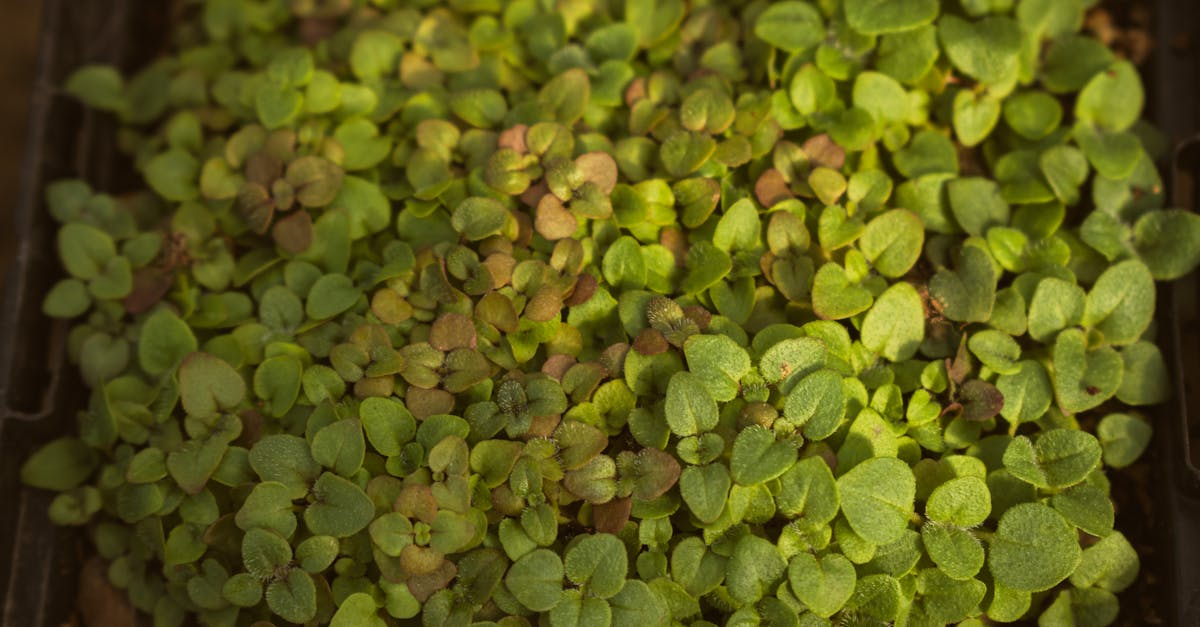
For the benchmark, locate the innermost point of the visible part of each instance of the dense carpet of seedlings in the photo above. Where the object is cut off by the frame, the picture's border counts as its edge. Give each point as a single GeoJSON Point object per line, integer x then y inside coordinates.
{"type": "Point", "coordinates": [589, 313]}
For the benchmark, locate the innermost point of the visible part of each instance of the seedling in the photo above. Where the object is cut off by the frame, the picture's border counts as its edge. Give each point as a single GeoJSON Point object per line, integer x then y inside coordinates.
{"type": "Point", "coordinates": [654, 313]}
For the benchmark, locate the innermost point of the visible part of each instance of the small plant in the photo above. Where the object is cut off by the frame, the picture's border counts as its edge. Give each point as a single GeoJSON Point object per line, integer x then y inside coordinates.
{"type": "Point", "coordinates": [598, 313]}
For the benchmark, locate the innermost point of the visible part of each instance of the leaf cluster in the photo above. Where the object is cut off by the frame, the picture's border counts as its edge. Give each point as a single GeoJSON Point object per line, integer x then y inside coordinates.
{"type": "Point", "coordinates": [616, 313]}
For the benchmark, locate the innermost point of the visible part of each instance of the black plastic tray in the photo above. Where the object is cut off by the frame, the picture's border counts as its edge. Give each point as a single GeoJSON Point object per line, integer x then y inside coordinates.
{"type": "Point", "coordinates": [39, 392]}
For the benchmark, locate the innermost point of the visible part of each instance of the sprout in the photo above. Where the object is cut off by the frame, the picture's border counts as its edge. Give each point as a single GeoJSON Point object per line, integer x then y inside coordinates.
{"type": "Point", "coordinates": [651, 314]}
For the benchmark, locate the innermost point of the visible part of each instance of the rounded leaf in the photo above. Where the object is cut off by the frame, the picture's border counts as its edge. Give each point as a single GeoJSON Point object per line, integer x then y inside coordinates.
{"type": "Point", "coordinates": [1033, 548]}
{"type": "Point", "coordinates": [536, 580]}
{"type": "Point", "coordinates": [599, 563]}
{"type": "Point", "coordinates": [877, 498]}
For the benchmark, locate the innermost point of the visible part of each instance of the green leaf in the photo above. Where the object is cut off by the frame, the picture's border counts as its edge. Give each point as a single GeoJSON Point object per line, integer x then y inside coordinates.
{"type": "Point", "coordinates": [754, 569]}
{"type": "Point", "coordinates": [962, 501]}
{"type": "Point", "coordinates": [974, 117]}
{"type": "Point", "coordinates": [1008, 605]}
{"type": "Point", "coordinates": [85, 250]}
{"type": "Point", "coordinates": [817, 402]}
{"type": "Point", "coordinates": [624, 267]}
{"type": "Point", "coordinates": [1056, 305]}
{"type": "Point", "coordinates": [1066, 169]}
{"type": "Point", "coordinates": [1121, 303]}
{"type": "Point", "coordinates": [1113, 155]}
{"type": "Point", "coordinates": [615, 41]}
{"type": "Point", "coordinates": [706, 265]}
{"type": "Point", "coordinates": [792, 26]}
{"type": "Point", "coordinates": [1033, 548]}
{"type": "Point", "coordinates": [877, 498]}
{"type": "Point", "coordinates": [173, 175]}
{"type": "Point", "coordinates": [1086, 606]}
{"type": "Point", "coordinates": [1060, 458]}
{"type": "Point", "coordinates": [758, 457]}
{"type": "Point", "coordinates": [705, 489]}
{"type": "Point", "coordinates": [481, 108]}
{"type": "Point", "coordinates": [1027, 392]}
{"type": "Point", "coordinates": [788, 361]}
{"type": "Point", "coordinates": [684, 152]}
{"type": "Point", "coordinates": [391, 532]}
{"type": "Point", "coordinates": [1113, 99]}
{"type": "Point", "coordinates": [286, 459]}
{"type": "Point", "coordinates": [599, 563]}
{"type": "Point", "coordinates": [566, 96]}
{"type": "Point", "coordinates": [536, 580]}
{"type": "Point", "coordinates": [293, 598]}
{"type": "Point", "coordinates": [194, 462]}
{"type": "Point", "coordinates": [277, 382]}
{"type": "Point", "coordinates": [869, 436]}
{"type": "Point", "coordinates": [977, 203]}
{"type": "Point", "coordinates": [874, 17]}
{"type": "Point", "coordinates": [879, 95]}
{"type": "Point", "coordinates": [366, 206]}
{"type": "Point", "coordinates": [895, 325]}
{"type": "Point", "coordinates": [1123, 438]}
{"type": "Point", "coordinates": [357, 610]}
{"type": "Point", "coordinates": [1049, 19]}
{"type": "Point", "coordinates": [892, 242]}
{"type": "Point", "coordinates": [278, 105]}
{"type": "Point", "coordinates": [822, 585]}
{"type": "Point", "coordinates": [268, 506]}
{"type": "Point", "coordinates": [388, 424]}
{"type": "Point", "coordinates": [243, 590]}
{"type": "Point", "coordinates": [340, 447]}
{"type": "Point", "coordinates": [986, 50]}
{"type": "Point", "coordinates": [115, 280]}
{"type": "Point", "coordinates": [909, 54]}
{"type": "Point", "coordinates": [956, 551]}
{"type": "Point", "coordinates": [1145, 379]}
{"type": "Point", "coordinates": [1033, 114]}
{"type": "Point", "coordinates": [996, 350]}
{"type": "Point", "coordinates": [811, 90]}
{"type": "Point", "coordinates": [451, 532]}
{"type": "Point", "coordinates": [317, 553]}
{"type": "Point", "coordinates": [946, 600]}
{"type": "Point", "coordinates": [98, 86]}
{"type": "Point", "coordinates": [164, 342]}
{"type": "Point", "coordinates": [265, 553]}
{"type": "Point", "coordinates": [808, 489]}
{"type": "Point", "coordinates": [739, 228]}
{"type": "Point", "coordinates": [930, 159]}
{"type": "Point", "coordinates": [697, 568]}
{"type": "Point", "coordinates": [374, 54]}
{"type": "Point", "coordinates": [331, 295]}
{"type": "Point", "coordinates": [1086, 506]}
{"type": "Point", "coordinates": [718, 362]}
{"type": "Point", "coordinates": [575, 610]}
{"type": "Point", "coordinates": [67, 299]}
{"type": "Point", "coordinates": [637, 604]}
{"type": "Point", "coordinates": [690, 409]}
{"type": "Point", "coordinates": [835, 296]}
{"type": "Point", "coordinates": [339, 508]}
{"type": "Point", "coordinates": [208, 385]}
{"type": "Point", "coordinates": [1110, 564]}
{"type": "Point", "coordinates": [59, 465]}
{"type": "Point", "coordinates": [1084, 378]}
{"type": "Point", "coordinates": [878, 596]}
{"type": "Point", "coordinates": [479, 217]}
{"type": "Point", "coordinates": [1168, 242]}
{"type": "Point", "coordinates": [650, 472]}
{"type": "Point", "coordinates": [968, 293]}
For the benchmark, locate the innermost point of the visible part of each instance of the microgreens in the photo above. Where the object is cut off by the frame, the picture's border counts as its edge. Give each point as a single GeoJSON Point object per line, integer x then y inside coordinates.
{"type": "Point", "coordinates": [592, 313]}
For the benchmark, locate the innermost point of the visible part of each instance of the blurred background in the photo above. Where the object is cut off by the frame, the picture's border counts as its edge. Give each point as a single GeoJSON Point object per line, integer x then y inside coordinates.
{"type": "Point", "coordinates": [18, 54]}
